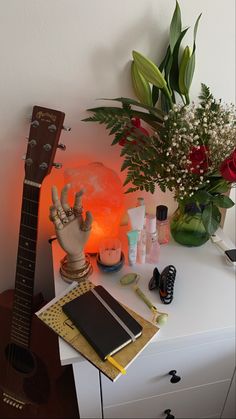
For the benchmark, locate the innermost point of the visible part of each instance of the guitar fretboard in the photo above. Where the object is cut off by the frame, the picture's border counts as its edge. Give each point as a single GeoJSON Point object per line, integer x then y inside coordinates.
{"type": "Point", "coordinates": [25, 268]}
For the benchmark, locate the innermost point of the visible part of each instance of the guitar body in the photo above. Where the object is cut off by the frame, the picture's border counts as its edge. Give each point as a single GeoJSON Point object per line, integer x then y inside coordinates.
{"type": "Point", "coordinates": [46, 388]}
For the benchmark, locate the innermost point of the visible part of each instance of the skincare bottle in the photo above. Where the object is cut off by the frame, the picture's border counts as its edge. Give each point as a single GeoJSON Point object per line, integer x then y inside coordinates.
{"type": "Point", "coordinates": [152, 246]}
{"type": "Point", "coordinates": [137, 221]}
{"type": "Point", "coordinates": [141, 248]}
{"type": "Point", "coordinates": [163, 225]}
{"type": "Point", "coordinates": [132, 241]}
{"type": "Point", "coordinates": [141, 251]}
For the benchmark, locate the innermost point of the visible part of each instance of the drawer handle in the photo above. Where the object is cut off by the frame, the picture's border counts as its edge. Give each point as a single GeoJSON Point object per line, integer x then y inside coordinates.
{"type": "Point", "coordinates": [168, 415]}
{"type": "Point", "coordinates": [175, 378]}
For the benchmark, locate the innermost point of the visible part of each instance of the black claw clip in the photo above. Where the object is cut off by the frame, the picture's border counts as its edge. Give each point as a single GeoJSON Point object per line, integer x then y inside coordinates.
{"type": "Point", "coordinates": [164, 282]}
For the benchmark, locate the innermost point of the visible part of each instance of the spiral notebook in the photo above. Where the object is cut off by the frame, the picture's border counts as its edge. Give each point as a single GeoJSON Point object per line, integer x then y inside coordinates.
{"type": "Point", "coordinates": [102, 320]}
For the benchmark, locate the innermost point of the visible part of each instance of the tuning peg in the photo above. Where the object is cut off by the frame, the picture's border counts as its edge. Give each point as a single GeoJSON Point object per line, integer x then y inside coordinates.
{"type": "Point", "coordinates": [61, 146]}
{"type": "Point", "coordinates": [32, 143]}
{"type": "Point", "coordinates": [66, 128]}
{"type": "Point", "coordinates": [28, 162]}
{"type": "Point", "coordinates": [35, 123]}
{"type": "Point", "coordinates": [57, 165]}
{"type": "Point", "coordinates": [52, 128]}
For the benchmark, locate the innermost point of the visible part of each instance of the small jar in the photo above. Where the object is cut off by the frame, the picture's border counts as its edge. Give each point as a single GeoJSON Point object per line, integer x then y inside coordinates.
{"type": "Point", "coordinates": [110, 251]}
{"type": "Point", "coordinates": [163, 225]}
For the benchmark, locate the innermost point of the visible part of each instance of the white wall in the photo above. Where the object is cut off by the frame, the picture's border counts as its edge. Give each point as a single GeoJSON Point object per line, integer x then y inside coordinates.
{"type": "Point", "coordinates": [64, 54]}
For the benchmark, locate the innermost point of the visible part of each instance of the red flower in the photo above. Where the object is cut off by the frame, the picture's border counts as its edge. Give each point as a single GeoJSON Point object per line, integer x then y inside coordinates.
{"type": "Point", "coordinates": [199, 160]}
{"type": "Point", "coordinates": [228, 168]}
{"type": "Point", "coordinates": [137, 125]}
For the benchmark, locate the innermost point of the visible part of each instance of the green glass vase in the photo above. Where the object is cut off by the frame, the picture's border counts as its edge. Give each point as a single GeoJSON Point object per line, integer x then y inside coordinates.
{"type": "Point", "coordinates": [187, 227]}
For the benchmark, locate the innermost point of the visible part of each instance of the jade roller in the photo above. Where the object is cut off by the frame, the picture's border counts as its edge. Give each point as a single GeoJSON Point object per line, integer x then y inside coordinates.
{"type": "Point", "coordinates": [158, 317]}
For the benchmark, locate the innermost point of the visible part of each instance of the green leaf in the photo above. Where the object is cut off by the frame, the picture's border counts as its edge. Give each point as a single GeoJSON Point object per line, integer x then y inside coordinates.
{"type": "Point", "coordinates": [218, 186]}
{"type": "Point", "coordinates": [223, 201]}
{"type": "Point", "coordinates": [175, 27]}
{"type": "Point", "coordinates": [174, 70]}
{"type": "Point", "coordinates": [155, 89]}
{"type": "Point", "coordinates": [210, 223]}
{"type": "Point", "coordinates": [216, 215]}
{"type": "Point", "coordinates": [116, 127]}
{"type": "Point", "coordinates": [131, 190]}
{"type": "Point", "coordinates": [128, 101]}
{"type": "Point", "coordinates": [202, 197]}
{"type": "Point", "coordinates": [189, 72]}
{"type": "Point", "coordinates": [141, 86]}
{"type": "Point", "coordinates": [165, 103]}
{"type": "Point", "coordinates": [118, 137]}
{"type": "Point", "coordinates": [195, 31]}
{"type": "Point", "coordinates": [191, 63]}
{"type": "Point", "coordinates": [127, 180]}
{"type": "Point", "coordinates": [149, 70]}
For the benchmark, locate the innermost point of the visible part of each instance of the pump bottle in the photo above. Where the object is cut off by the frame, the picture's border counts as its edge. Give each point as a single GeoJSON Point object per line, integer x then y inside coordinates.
{"type": "Point", "coordinates": [163, 225]}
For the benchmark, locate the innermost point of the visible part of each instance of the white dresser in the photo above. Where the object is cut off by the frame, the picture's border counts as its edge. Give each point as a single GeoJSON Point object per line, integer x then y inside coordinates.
{"type": "Point", "coordinates": [198, 342]}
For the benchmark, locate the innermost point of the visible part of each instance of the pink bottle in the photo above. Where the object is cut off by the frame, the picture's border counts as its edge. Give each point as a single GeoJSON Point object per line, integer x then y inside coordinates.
{"type": "Point", "coordinates": [152, 244]}
{"type": "Point", "coordinates": [163, 225]}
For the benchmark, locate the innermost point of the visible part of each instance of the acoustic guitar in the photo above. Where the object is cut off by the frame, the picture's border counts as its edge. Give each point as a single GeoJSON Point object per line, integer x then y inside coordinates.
{"type": "Point", "coordinates": [32, 381]}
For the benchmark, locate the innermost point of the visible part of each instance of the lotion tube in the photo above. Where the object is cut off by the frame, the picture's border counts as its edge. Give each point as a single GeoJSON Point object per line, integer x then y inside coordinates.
{"type": "Point", "coordinates": [133, 241]}
{"type": "Point", "coordinates": [137, 217]}
{"type": "Point", "coordinates": [137, 221]}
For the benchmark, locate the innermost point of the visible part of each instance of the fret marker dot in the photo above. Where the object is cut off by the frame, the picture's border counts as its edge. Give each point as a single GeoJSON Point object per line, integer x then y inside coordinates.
{"type": "Point", "coordinates": [26, 243]}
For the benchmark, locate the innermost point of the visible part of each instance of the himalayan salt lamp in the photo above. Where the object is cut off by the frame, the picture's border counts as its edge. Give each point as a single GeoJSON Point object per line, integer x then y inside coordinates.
{"type": "Point", "coordinates": [103, 196]}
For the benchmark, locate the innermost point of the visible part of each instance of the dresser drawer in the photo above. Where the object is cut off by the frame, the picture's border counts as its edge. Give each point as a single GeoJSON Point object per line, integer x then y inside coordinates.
{"type": "Point", "coordinates": [199, 402]}
{"type": "Point", "coordinates": [149, 375]}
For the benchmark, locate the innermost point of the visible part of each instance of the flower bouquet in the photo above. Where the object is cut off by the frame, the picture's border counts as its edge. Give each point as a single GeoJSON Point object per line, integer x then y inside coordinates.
{"type": "Point", "coordinates": [187, 148]}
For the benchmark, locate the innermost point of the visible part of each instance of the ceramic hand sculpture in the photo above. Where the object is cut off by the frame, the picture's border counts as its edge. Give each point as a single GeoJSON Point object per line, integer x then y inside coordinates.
{"type": "Point", "coordinates": [72, 231]}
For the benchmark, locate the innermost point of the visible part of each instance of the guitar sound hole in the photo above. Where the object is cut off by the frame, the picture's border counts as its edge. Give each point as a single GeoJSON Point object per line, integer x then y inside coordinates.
{"type": "Point", "coordinates": [20, 358]}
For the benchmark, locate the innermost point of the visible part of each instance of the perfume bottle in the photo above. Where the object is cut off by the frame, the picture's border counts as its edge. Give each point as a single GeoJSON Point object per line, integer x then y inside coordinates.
{"type": "Point", "coordinates": [152, 244]}
{"type": "Point", "coordinates": [163, 225]}
{"type": "Point", "coordinates": [141, 251]}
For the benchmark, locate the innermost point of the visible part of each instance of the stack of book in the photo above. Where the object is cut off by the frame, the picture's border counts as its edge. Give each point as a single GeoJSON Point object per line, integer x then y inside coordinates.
{"type": "Point", "coordinates": [107, 333]}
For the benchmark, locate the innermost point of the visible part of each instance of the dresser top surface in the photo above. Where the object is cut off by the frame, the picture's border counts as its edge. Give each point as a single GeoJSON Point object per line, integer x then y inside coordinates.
{"type": "Point", "coordinates": [204, 291]}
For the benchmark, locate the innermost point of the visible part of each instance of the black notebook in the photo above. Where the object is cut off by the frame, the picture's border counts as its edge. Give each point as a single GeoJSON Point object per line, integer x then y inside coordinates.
{"type": "Point", "coordinates": [103, 321]}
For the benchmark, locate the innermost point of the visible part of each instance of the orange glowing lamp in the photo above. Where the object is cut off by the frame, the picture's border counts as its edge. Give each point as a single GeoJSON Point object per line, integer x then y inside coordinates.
{"type": "Point", "coordinates": [103, 196]}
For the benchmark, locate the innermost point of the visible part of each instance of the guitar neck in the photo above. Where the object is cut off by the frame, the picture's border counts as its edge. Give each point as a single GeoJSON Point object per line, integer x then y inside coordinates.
{"type": "Point", "coordinates": [25, 268]}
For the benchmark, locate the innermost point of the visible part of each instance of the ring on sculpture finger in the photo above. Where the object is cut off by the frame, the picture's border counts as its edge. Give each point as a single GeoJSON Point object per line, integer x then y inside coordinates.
{"type": "Point", "coordinates": [78, 211]}
{"type": "Point", "coordinates": [85, 227]}
{"type": "Point", "coordinates": [64, 221]}
{"type": "Point", "coordinates": [53, 218]}
{"type": "Point", "coordinates": [69, 212]}
{"type": "Point", "coordinates": [61, 213]}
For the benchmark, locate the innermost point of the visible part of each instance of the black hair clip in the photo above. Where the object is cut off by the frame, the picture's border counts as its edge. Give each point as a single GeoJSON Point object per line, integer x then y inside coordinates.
{"type": "Point", "coordinates": [164, 282]}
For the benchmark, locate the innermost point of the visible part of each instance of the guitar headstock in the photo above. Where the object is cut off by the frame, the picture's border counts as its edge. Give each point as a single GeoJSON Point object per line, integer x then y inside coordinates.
{"type": "Point", "coordinates": [45, 131]}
